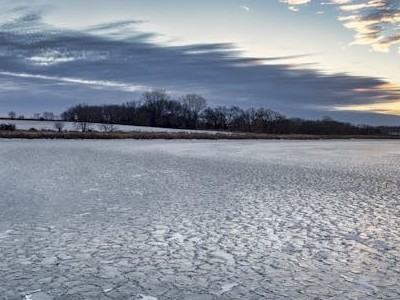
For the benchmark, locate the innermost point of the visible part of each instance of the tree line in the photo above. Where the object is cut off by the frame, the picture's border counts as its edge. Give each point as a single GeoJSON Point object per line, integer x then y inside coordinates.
{"type": "Point", "coordinates": [158, 109]}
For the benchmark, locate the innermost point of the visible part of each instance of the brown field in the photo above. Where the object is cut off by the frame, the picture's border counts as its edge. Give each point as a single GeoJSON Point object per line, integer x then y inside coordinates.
{"type": "Point", "coordinates": [179, 135]}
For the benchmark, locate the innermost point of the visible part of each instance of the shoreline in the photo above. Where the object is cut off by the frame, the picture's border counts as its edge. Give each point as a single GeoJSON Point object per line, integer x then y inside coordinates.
{"type": "Point", "coordinates": [75, 135]}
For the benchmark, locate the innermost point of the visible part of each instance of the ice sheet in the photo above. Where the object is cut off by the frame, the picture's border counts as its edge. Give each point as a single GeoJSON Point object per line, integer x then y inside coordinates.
{"type": "Point", "coordinates": [200, 219]}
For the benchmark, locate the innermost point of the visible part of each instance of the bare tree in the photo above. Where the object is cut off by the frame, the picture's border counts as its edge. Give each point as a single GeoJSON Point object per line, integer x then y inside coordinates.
{"type": "Point", "coordinates": [83, 117]}
{"type": "Point", "coordinates": [107, 127]}
{"type": "Point", "coordinates": [193, 104]}
{"type": "Point", "coordinates": [156, 105]}
{"type": "Point", "coordinates": [83, 126]}
{"type": "Point", "coordinates": [12, 114]}
{"type": "Point", "coordinates": [59, 126]}
{"type": "Point", "coordinates": [48, 116]}
{"type": "Point", "coordinates": [7, 127]}
{"type": "Point", "coordinates": [155, 95]}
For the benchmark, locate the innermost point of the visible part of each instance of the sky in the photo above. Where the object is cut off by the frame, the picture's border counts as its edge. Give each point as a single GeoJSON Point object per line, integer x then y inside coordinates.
{"type": "Point", "coordinates": [302, 58]}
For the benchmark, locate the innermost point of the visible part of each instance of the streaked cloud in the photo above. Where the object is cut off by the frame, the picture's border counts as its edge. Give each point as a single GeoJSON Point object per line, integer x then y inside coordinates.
{"type": "Point", "coordinates": [115, 62]}
{"type": "Point", "coordinates": [341, 1]}
{"type": "Point", "coordinates": [245, 8]}
{"type": "Point", "coordinates": [102, 84]}
{"type": "Point", "coordinates": [294, 8]}
{"type": "Point", "coordinates": [382, 108]}
{"type": "Point", "coordinates": [374, 22]}
{"type": "Point", "coordinates": [8, 85]}
{"type": "Point", "coordinates": [296, 2]}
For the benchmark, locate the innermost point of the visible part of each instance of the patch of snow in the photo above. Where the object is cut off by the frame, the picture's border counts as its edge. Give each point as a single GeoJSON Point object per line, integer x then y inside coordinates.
{"type": "Point", "coordinates": [365, 284]}
{"type": "Point", "coordinates": [223, 255]}
{"type": "Point", "coordinates": [38, 296]}
{"type": "Point", "coordinates": [5, 234]}
{"type": "Point", "coordinates": [178, 237]}
{"type": "Point", "coordinates": [144, 297]}
{"type": "Point", "coordinates": [228, 287]}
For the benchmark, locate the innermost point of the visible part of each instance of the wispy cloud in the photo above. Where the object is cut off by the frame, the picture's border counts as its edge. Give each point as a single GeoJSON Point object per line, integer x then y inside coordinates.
{"type": "Point", "coordinates": [61, 67]}
{"type": "Point", "coordinates": [245, 8]}
{"type": "Point", "coordinates": [100, 84]}
{"type": "Point", "coordinates": [375, 22]}
{"type": "Point", "coordinates": [296, 2]}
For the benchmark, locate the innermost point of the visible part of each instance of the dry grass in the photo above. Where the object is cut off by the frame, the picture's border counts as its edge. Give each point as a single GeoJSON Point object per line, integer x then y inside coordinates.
{"type": "Point", "coordinates": [178, 135]}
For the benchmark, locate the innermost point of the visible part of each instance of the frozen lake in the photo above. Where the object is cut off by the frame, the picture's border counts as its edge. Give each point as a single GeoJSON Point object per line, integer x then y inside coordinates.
{"type": "Point", "coordinates": [199, 220]}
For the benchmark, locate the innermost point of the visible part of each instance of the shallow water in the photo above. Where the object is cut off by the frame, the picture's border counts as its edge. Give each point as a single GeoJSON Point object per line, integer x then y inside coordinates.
{"type": "Point", "coordinates": [199, 220]}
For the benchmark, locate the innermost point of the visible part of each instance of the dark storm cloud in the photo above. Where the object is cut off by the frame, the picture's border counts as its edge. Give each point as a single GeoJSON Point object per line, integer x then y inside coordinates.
{"type": "Point", "coordinates": [113, 62]}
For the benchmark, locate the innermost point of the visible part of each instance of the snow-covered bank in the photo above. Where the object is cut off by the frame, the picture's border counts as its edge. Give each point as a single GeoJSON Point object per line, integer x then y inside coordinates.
{"type": "Point", "coordinates": [72, 126]}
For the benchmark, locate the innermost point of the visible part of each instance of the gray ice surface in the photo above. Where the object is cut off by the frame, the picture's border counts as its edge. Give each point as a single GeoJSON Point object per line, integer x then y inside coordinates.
{"type": "Point", "coordinates": [199, 220]}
